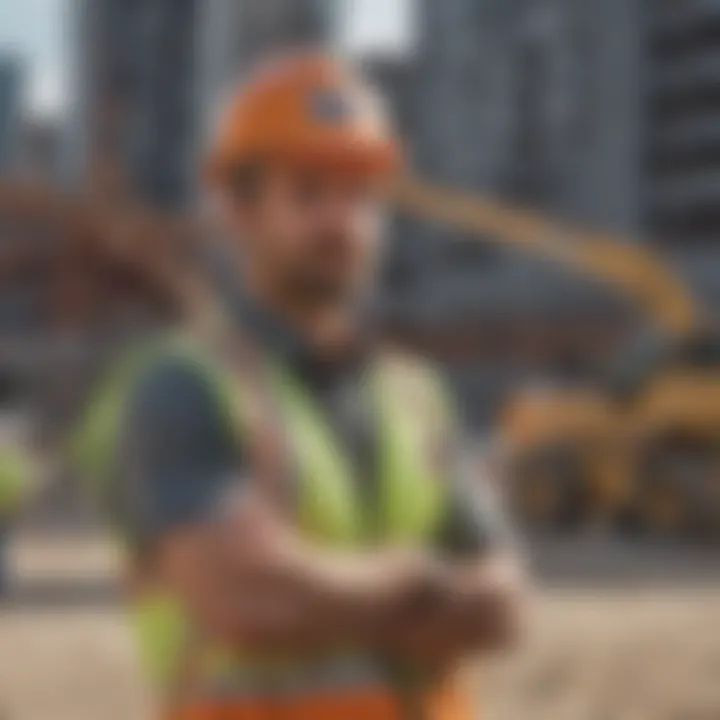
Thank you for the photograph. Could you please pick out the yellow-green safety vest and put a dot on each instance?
(412, 411)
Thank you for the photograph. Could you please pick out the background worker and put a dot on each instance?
(16, 483)
(378, 572)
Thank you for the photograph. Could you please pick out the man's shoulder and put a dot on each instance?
(178, 446)
(175, 384)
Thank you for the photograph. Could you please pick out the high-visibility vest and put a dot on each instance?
(412, 413)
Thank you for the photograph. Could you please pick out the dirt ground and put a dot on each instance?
(612, 654)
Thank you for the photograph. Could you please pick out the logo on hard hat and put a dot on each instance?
(331, 106)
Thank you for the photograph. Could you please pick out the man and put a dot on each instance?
(353, 582)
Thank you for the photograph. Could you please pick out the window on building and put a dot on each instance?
(531, 87)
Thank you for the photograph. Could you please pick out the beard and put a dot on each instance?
(333, 273)
(313, 287)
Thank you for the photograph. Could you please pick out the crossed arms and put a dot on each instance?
(251, 578)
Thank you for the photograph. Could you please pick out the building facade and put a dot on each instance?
(11, 81)
(135, 89)
(536, 103)
(683, 114)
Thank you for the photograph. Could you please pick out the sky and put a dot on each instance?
(379, 26)
(36, 31)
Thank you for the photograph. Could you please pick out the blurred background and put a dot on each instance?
(585, 345)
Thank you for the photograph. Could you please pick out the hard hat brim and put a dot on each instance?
(357, 160)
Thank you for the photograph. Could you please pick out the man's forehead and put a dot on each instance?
(326, 180)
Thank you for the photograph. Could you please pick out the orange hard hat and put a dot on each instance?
(306, 109)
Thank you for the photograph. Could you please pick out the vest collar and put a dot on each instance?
(275, 334)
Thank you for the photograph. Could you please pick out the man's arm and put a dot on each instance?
(479, 612)
(482, 576)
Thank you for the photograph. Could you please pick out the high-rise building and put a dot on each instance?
(137, 93)
(11, 77)
(538, 103)
(682, 151)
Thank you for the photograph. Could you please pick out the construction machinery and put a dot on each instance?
(639, 447)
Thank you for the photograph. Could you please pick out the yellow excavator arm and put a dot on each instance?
(622, 263)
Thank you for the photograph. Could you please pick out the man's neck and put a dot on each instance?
(330, 328)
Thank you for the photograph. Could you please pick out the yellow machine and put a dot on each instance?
(642, 446)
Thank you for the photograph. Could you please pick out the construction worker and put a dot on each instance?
(309, 546)
(15, 484)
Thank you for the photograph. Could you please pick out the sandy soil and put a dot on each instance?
(617, 654)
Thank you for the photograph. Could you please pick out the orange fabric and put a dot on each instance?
(306, 109)
(225, 711)
(447, 704)
(449, 701)
(321, 707)
(378, 706)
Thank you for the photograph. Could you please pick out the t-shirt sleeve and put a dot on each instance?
(179, 453)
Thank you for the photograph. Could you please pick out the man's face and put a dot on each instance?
(315, 235)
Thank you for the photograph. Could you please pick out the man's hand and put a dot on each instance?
(480, 610)
(288, 590)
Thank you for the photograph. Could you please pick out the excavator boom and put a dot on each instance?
(621, 263)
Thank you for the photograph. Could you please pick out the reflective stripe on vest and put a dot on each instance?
(342, 674)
